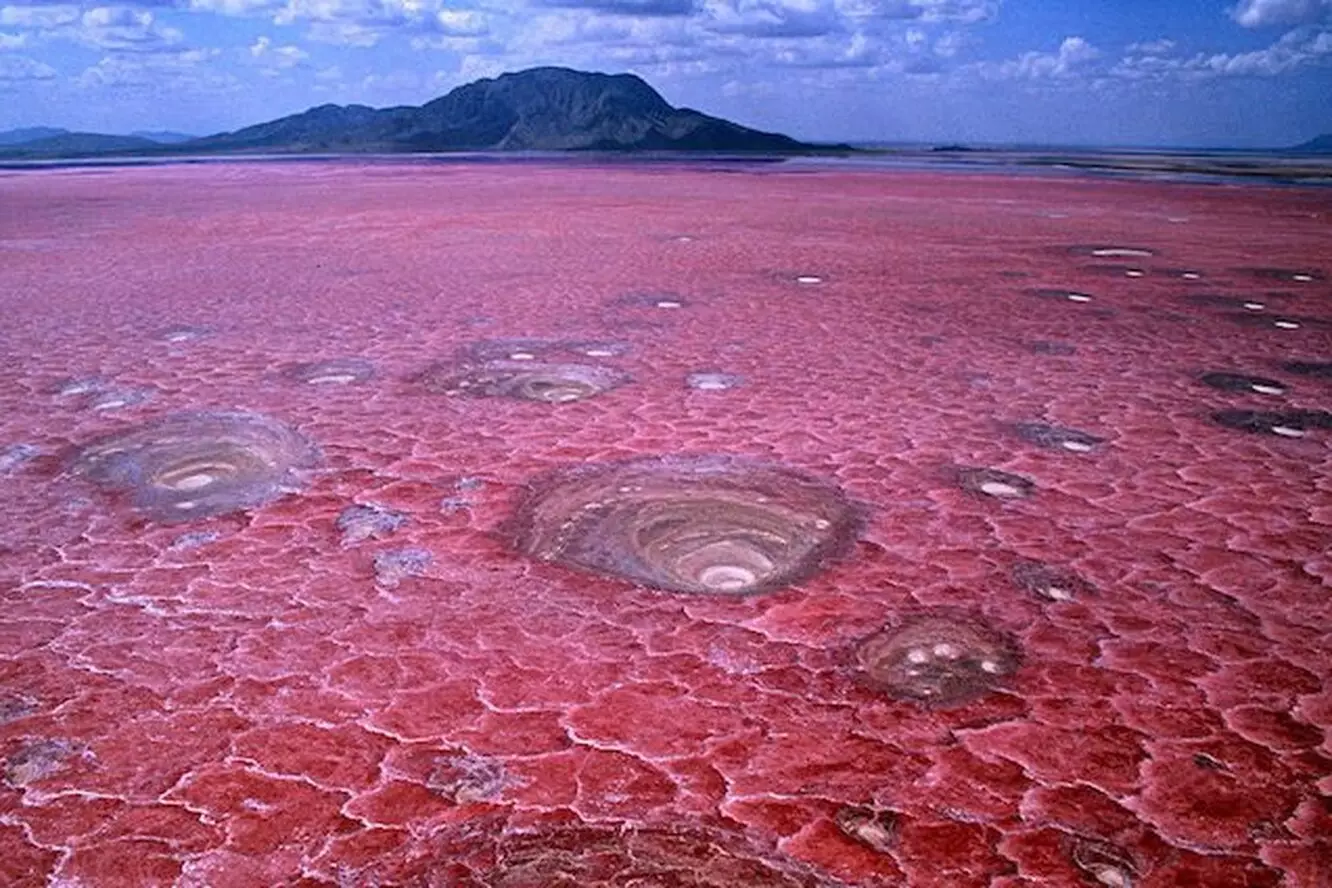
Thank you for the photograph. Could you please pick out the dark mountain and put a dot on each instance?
(163, 137)
(1317, 145)
(540, 109)
(68, 144)
(29, 134)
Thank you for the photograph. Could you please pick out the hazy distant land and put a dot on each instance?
(561, 110)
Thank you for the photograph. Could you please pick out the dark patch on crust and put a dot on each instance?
(940, 659)
(1272, 422)
(993, 482)
(1238, 382)
(715, 525)
(1050, 582)
(1053, 437)
(1285, 275)
(1320, 369)
(524, 380)
(196, 465)
(1061, 294)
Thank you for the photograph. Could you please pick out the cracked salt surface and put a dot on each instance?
(1094, 665)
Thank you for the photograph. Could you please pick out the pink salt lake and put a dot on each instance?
(1069, 623)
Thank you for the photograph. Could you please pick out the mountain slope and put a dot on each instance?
(540, 109)
(68, 144)
(1317, 145)
(29, 134)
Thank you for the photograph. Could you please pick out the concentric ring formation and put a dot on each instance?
(704, 524)
(525, 380)
(194, 465)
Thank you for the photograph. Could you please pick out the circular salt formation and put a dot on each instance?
(992, 482)
(707, 524)
(1056, 438)
(613, 856)
(526, 380)
(335, 371)
(194, 465)
(939, 660)
(1286, 424)
(1238, 382)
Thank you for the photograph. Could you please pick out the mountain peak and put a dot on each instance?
(537, 109)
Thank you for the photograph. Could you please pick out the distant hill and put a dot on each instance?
(29, 134)
(1317, 145)
(67, 144)
(540, 109)
(163, 137)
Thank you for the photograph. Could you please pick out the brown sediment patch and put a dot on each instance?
(363, 521)
(1100, 863)
(1239, 382)
(1054, 437)
(1050, 582)
(1286, 423)
(992, 482)
(873, 827)
(524, 380)
(615, 856)
(195, 465)
(940, 659)
(334, 371)
(715, 525)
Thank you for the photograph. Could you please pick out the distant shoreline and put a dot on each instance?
(1257, 168)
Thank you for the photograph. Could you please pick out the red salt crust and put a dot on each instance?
(237, 702)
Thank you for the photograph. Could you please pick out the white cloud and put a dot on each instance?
(1296, 49)
(277, 57)
(123, 28)
(1151, 47)
(154, 70)
(12, 41)
(15, 68)
(1261, 13)
(1074, 57)
(38, 17)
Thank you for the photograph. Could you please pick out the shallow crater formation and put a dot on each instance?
(523, 380)
(1056, 437)
(993, 482)
(940, 659)
(1285, 423)
(335, 371)
(194, 465)
(1239, 382)
(705, 524)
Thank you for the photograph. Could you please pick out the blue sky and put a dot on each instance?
(1246, 73)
